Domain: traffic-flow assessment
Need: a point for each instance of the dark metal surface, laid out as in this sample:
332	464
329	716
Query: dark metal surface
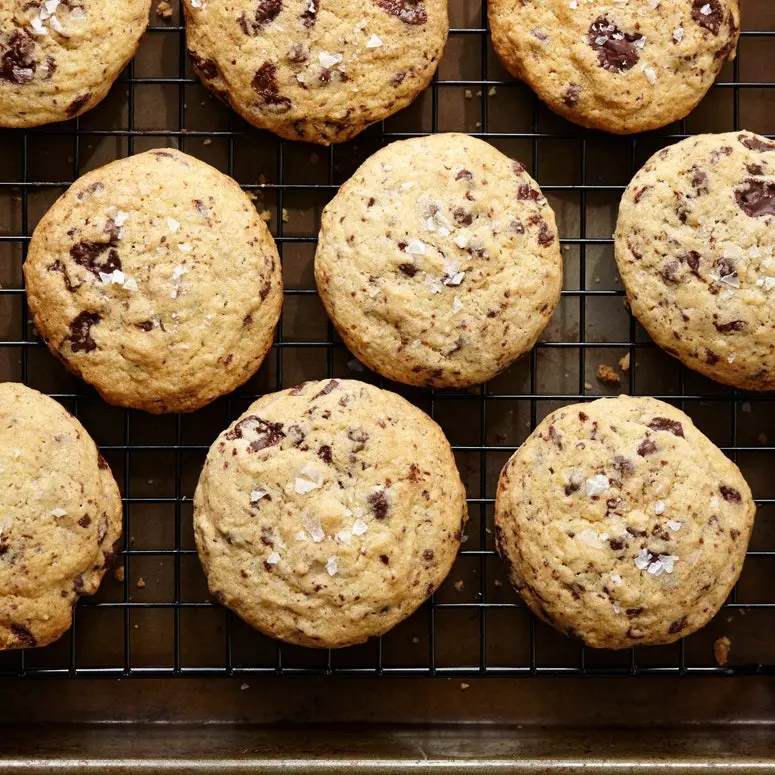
159	623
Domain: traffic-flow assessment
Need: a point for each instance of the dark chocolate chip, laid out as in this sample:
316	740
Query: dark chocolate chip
325	454
756	143
23	635
756	198
571	95
692	258
267	434
708	14
664	424
527	192
80	332
266	12
310	15
730	494
330	386
265	85
378	504
616	50
410	270
728	328
85	521
647	447
90	254
205	67
78	104
408	11
17	64
670	270
428	554
677	626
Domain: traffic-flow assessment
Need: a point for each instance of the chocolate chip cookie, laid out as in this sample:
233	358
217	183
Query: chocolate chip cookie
621	524
59	58
328	513
619	66
694	244
155	280
316	70
60	517
439	261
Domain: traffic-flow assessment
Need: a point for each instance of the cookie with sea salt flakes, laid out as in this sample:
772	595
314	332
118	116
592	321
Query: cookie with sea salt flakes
619	66
328	513
60	517
154	279
621	524
59	58
320	71
694	244
439	261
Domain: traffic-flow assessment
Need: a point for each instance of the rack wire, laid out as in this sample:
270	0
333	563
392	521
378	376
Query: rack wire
158	620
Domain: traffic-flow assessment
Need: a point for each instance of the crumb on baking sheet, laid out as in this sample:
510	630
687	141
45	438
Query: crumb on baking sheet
118	573
624	362
265	215
469	94
464	686
608	375
164	9
492	92
140	582
721	649
458	585
286	217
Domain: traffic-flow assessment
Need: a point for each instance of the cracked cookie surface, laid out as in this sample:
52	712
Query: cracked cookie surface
328	513
695	243
621	524
155	280
439	261
60	517
59	58
320	71
619	66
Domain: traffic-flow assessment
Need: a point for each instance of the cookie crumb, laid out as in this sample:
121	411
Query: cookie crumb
415	640
587	386
244	686
265	216
464	686
624	362
207	141
118	573
285	216
164	9
721	649
608	375
469	94
492	92
762	438
140	582
458	586
498	583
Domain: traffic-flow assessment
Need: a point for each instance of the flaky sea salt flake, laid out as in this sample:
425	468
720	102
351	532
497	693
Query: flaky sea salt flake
273	559
58	512
597	485
374	42
332	566
359	527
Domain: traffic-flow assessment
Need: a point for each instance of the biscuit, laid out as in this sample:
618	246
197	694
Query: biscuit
694	244
60	517
439	261
316	70
621	524
155	280
328	513
59	58
621	67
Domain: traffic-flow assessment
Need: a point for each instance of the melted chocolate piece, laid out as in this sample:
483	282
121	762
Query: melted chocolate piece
756	143
730	494
265	85
408	11
756	198
266	12
17	64
616	50
708	14
378	504
663	424
310	15
259	432
90	255
80	332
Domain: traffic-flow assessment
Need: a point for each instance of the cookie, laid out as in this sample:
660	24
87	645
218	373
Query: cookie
328	513
320	71
439	261
694	244
59	58
60	517
618	66
621	524
154	279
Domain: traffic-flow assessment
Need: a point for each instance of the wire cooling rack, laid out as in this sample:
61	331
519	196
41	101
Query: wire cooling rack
154	617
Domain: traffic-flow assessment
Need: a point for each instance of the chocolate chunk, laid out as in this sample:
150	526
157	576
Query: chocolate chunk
726	267
310	15
639	193
730	494
408	11
728	328
359	436
517	227
692	258
50	68
699	180
384	559
428	554
266	12
205	67
617	544
623	466
17	64
85	521
146	325
708	14
410	270
663	424
78	104
616	50
571	95
632	612
80	332
462	217
464	175
260	433
647	447
330	386
718	153
58	266
527	192
265	85
756	143
670	270
711	358
324	453
545	236
23	635
756	198
378	504
677	626
90	255
102	464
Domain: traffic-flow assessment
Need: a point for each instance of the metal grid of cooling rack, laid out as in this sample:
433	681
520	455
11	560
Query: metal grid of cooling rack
474	625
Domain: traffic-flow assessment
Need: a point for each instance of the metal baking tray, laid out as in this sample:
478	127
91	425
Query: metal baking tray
471	680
